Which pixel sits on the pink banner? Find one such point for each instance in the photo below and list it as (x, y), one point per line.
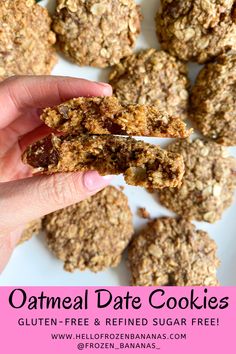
(117, 319)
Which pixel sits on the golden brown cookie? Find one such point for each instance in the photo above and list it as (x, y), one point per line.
(31, 228)
(197, 30)
(152, 77)
(142, 164)
(208, 184)
(97, 32)
(93, 233)
(26, 41)
(106, 115)
(172, 252)
(213, 100)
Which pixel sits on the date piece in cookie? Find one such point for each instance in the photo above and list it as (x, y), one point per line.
(208, 184)
(93, 233)
(213, 100)
(172, 252)
(31, 228)
(26, 41)
(97, 32)
(152, 77)
(106, 115)
(142, 164)
(197, 30)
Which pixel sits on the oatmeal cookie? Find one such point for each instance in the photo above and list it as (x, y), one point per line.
(152, 77)
(26, 41)
(213, 100)
(197, 30)
(97, 32)
(106, 115)
(93, 233)
(31, 228)
(142, 164)
(208, 184)
(172, 252)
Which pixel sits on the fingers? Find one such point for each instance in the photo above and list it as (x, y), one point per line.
(11, 165)
(26, 122)
(7, 245)
(29, 199)
(6, 250)
(30, 92)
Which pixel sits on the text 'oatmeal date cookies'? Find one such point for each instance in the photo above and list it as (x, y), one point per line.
(106, 115)
(26, 41)
(152, 77)
(172, 252)
(213, 100)
(97, 32)
(197, 30)
(208, 184)
(141, 164)
(93, 233)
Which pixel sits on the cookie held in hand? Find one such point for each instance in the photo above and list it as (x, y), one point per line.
(142, 164)
(107, 115)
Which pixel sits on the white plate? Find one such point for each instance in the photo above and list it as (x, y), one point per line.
(32, 263)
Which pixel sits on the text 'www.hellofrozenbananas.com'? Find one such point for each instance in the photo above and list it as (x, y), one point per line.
(85, 341)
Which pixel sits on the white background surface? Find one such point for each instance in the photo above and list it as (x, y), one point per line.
(32, 263)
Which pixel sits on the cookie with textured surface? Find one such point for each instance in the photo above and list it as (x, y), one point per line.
(197, 30)
(97, 32)
(213, 100)
(93, 233)
(152, 77)
(26, 40)
(208, 184)
(172, 252)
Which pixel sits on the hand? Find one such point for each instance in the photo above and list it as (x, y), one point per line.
(22, 197)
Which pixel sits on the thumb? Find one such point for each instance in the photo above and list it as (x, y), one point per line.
(31, 198)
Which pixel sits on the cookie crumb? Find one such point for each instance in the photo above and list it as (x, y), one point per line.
(143, 213)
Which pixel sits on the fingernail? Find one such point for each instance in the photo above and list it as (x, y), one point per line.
(104, 84)
(93, 181)
(107, 89)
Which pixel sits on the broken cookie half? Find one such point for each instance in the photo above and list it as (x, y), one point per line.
(142, 164)
(106, 115)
